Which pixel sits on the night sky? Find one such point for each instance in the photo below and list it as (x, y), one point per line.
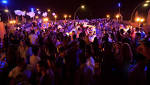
(94, 8)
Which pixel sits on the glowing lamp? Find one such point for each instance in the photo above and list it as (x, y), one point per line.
(142, 20)
(137, 19)
(69, 16)
(48, 10)
(6, 10)
(108, 16)
(4, 1)
(37, 9)
(32, 9)
(12, 21)
(119, 4)
(55, 16)
(45, 19)
(36, 17)
(117, 16)
(145, 5)
(82, 6)
(65, 16)
(147, 1)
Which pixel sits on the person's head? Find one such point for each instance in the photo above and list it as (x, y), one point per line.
(35, 50)
(137, 29)
(105, 38)
(74, 37)
(22, 43)
(32, 32)
(73, 33)
(95, 40)
(138, 35)
(121, 31)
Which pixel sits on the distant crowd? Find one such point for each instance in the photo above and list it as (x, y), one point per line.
(83, 52)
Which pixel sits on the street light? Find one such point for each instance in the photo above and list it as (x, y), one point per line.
(82, 7)
(48, 10)
(69, 16)
(36, 17)
(4, 1)
(55, 17)
(147, 1)
(146, 4)
(6, 10)
(139, 20)
(37, 9)
(117, 16)
(108, 16)
(45, 19)
(12, 22)
(65, 16)
(142, 20)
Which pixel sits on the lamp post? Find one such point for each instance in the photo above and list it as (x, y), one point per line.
(107, 16)
(119, 5)
(48, 10)
(55, 17)
(37, 9)
(82, 7)
(65, 16)
(12, 22)
(7, 12)
(69, 16)
(5, 2)
(139, 20)
(37, 17)
(118, 16)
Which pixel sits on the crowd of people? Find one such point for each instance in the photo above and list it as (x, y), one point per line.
(83, 52)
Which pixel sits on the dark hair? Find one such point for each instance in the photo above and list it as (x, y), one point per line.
(74, 37)
(35, 50)
(32, 31)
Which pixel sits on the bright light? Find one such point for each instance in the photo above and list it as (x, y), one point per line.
(65, 16)
(145, 5)
(48, 10)
(6, 10)
(108, 16)
(69, 16)
(142, 20)
(37, 9)
(4, 1)
(55, 16)
(82, 6)
(32, 9)
(119, 4)
(12, 21)
(147, 1)
(36, 17)
(45, 19)
(137, 19)
(117, 16)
